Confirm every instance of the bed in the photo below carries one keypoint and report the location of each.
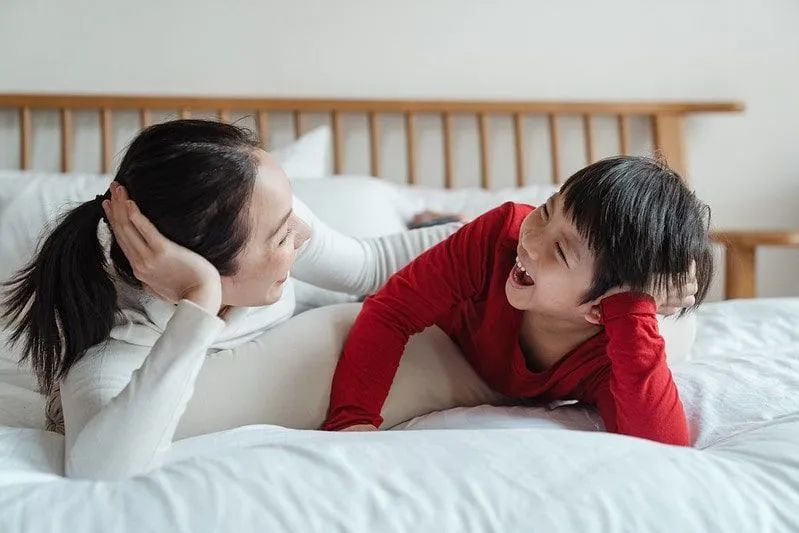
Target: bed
(476, 468)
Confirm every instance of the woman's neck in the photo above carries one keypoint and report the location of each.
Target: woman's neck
(545, 339)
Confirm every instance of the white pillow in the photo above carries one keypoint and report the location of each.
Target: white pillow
(309, 156)
(358, 206)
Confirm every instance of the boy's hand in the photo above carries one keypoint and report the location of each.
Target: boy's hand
(671, 299)
(360, 427)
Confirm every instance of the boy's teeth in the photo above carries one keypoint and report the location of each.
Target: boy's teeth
(519, 265)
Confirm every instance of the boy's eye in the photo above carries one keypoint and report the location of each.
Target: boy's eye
(546, 210)
(560, 253)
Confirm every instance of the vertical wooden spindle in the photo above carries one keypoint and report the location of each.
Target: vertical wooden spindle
(262, 123)
(66, 140)
(485, 163)
(518, 130)
(624, 134)
(299, 127)
(410, 139)
(25, 138)
(374, 144)
(144, 118)
(338, 155)
(107, 139)
(553, 145)
(446, 128)
(588, 131)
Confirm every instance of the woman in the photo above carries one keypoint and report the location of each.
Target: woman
(205, 232)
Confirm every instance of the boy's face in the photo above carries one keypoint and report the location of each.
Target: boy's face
(558, 265)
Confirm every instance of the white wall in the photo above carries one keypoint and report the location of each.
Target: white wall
(743, 165)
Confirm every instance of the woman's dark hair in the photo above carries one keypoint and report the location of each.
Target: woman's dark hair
(192, 178)
(642, 222)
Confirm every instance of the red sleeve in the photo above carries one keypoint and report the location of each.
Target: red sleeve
(639, 398)
(410, 301)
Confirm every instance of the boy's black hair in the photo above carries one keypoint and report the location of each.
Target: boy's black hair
(642, 223)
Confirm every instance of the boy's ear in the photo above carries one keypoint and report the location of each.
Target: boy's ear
(594, 313)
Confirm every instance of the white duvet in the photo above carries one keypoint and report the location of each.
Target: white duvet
(478, 469)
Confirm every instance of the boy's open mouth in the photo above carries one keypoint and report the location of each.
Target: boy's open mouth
(520, 275)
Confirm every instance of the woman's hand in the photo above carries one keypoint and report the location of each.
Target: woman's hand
(166, 269)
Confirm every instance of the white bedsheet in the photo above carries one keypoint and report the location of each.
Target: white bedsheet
(479, 469)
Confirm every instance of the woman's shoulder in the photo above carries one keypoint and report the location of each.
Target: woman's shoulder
(105, 367)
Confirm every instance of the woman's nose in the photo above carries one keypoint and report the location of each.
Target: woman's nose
(303, 234)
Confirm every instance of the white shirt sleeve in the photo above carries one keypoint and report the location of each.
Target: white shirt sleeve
(337, 262)
(122, 402)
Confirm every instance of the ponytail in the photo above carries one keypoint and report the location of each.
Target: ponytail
(63, 302)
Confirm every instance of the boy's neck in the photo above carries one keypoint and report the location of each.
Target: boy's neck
(546, 339)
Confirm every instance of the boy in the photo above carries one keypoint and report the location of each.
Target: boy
(553, 303)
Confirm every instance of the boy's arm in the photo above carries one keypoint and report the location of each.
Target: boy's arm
(639, 397)
(413, 299)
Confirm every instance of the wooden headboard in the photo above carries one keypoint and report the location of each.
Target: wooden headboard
(665, 120)
(665, 128)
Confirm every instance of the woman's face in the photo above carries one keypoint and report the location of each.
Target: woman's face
(275, 235)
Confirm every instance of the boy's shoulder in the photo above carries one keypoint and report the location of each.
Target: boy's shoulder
(505, 220)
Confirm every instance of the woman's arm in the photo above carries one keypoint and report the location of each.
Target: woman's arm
(337, 262)
(122, 403)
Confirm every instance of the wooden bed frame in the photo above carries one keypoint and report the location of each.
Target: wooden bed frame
(666, 120)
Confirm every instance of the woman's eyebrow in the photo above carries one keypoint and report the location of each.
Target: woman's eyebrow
(281, 223)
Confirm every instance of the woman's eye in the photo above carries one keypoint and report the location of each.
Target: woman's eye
(546, 210)
(284, 239)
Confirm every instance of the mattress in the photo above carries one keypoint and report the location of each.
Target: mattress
(476, 469)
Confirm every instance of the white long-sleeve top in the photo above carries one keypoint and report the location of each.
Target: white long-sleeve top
(124, 401)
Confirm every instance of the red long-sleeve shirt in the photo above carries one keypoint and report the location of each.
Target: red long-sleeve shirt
(459, 285)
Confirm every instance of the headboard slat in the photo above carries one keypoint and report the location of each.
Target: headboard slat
(338, 154)
(518, 137)
(66, 140)
(410, 140)
(25, 138)
(553, 146)
(588, 131)
(106, 135)
(374, 144)
(667, 132)
(262, 125)
(624, 135)
(299, 127)
(145, 119)
(449, 167)
(485, 161)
